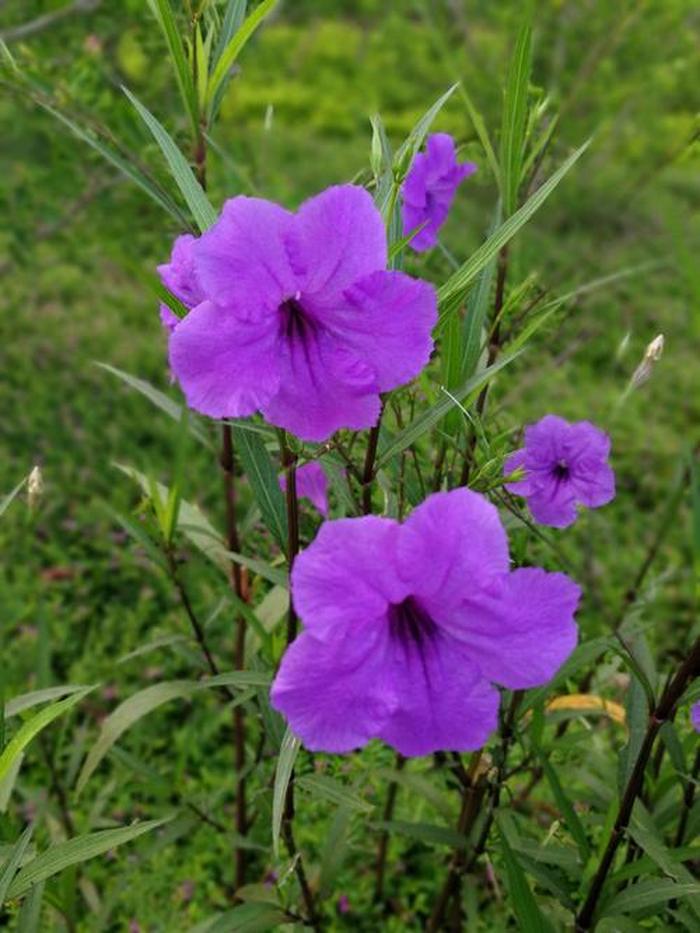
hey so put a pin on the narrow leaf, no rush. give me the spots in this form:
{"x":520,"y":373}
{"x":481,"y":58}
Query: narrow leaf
{"x":522,"y":902}
{"x":515,"y":118}
{"x":162,"y":11}
{"x":264,"y":481}
{"x":285,"y":765}
{"x":14,"y":860}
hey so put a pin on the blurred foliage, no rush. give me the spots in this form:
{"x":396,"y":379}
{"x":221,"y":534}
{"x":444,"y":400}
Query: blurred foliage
{"x":77,"y":253}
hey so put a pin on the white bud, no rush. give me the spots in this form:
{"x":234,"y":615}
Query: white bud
{"x":652,"y":355}
{"x":35,"y":487}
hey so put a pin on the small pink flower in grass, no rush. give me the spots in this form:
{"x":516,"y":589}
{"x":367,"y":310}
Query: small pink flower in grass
{"x":695,"y":716}
{"x":301,"y":319}
{"x":312,"y":484}
{"x":565,"y":464}
{"x":408,"y":627}
{"x":430,"y":188}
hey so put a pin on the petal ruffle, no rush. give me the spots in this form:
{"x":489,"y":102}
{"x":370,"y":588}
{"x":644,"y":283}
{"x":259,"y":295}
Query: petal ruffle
{"x":445,"y":704}
{"x":226,"y":367}
{"x":452,"y":543}
{"x":179,"y":276}
{"x":334,"y":694}
{"x":521,"y":639}
{"x":346,"y":578}
{"x":337,"y":237}
{"x":324,"y":386}
{"x":386,"y":318}
{"x":242,"y":260}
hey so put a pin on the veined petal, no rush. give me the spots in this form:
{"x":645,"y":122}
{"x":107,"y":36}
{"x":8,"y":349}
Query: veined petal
{"x":242,"y":261}
{"x":227,"y":368}
{"x":335,"y":694}
{"x":451,"y":543}
{"x":445,"y":702}
{"x":337,"y":237}
{"x":521,"y":638}
{"x":346,"y":578}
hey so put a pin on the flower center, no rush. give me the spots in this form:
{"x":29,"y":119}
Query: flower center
{"x":409,"y":623}
{"x":295,"y":323}
{"x":561,"y":471}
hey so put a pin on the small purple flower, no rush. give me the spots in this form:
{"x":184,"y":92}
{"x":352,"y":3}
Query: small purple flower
{"x":312,"y":484}
{"x":695,"y":716}
{"x":430,"y":187}
{"x":301,"y":319}
{"x":565,"y":465}
{"x":408,"y":626}
{"x":343,"y":904}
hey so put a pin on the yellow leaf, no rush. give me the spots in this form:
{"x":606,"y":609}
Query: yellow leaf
{"x":588,"y":703}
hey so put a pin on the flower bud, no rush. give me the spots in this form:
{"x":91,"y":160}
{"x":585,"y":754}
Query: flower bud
{"x":35,"y":488}
{"x":652,"y":355}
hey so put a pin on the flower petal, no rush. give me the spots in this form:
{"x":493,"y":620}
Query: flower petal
{"x":554,"y":504}
{"x":346,"y":578}
{"x":522,"y":638}
{"x":445,"y":704}
{"x":334,"y":694}
{"x":385,"y":318}
{"x":450,"y":544}
{"x":594,"y":484}
{"x":337,"y":237}
{"x":242,"y":261}
{"x":311,"y":484}
{"x":324,"y":386}
{"x":179,"y":275}
{"x":226,"y":367}
{"x":513,"y":462}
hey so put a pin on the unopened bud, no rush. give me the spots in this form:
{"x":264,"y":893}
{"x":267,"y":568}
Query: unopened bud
{"x":652,"y":355}
{"x":35,"y":487}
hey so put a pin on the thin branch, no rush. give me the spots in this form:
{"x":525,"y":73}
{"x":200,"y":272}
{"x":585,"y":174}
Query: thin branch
{"x":380,"y":869}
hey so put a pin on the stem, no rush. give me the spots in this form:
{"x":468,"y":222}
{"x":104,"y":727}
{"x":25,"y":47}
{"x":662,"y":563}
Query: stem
{"x":306,"y":893}
{"x":383,"y":847}
{"x":370,"y":457}
{"x":689,"y":669}
{"x":289,"y":462}
{"x":236,"y":583}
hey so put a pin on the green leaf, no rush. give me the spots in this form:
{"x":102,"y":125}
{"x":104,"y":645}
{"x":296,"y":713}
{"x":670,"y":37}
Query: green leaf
{"x":430,"y":417}
{"x":264,"y":481}
{"x":515,"y":118}
{"x":25,"y":701}
{"x":14,"y":860}
{"x":162,"y":11}
{"x":477,"y":310}
{"x":318,"y":785}
{"x":6,"y":500}
{"x":334,"y":850}
{"x":424,"y":832}
{"x":150,"y":698}
{"x":248,"y":918}
{"x":160,"y":400}
{"x":285,"y":766}
{"x":571,"y":818}
{"x":231,"y":52}
{"x":60,"y":856}
{"x":418,"y":784}
{"x":29,"y":916}
{"x":33,"y":726}
{"x":645,"y":894}
{"x":451,"y":295}
{"x":197,"y":201}
{"x":233,"y":17}
{"x":416,"y":138}
{"x":521,"y":900}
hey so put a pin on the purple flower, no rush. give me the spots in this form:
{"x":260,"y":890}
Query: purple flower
{"x":312,"y":484}
{"x":179,"y":275}
{"x":343,"y":904}
{"x":301,"y":320}
{"x":695,"y":716}
{"x":408,"y":626}
{"x":430,"y":187}
{"x":565,"y":464}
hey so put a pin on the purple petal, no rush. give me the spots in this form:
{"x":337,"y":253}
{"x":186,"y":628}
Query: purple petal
{"x":242,"y":259}
{"x":516,"y":461}
{"x":346,"y":578}
{"x":386,"y":318}
{"x":334,"y":694}
{"x":337,"y":237}
{"x":695,"y":716}
{"x":521,"y":638}
{"x":594,"y":484}
{"x":554,"y":506}
{"x":227,"y":367}
{"x":168,"y":318}
{"x":444,"y":702}
{"x":323,"y":387}
{"x":450,"y":544}
{"x":312,"y":484}
{"x":179,"y":275}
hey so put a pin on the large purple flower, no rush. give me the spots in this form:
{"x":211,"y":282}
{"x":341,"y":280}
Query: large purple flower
{"x":300,"y":318}
{"x":564,"y":464}
{"x":407,"y":628}
{"x":430,"y":187}
{"x":179,"y":277}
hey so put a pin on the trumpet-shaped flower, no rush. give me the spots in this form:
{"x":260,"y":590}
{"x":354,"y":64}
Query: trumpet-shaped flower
{"x":299,"y":317}
{"x":311,"y":484}
{"x":564,"y":464}
{"x":409,"y":626}
{"x":430,"y":187}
